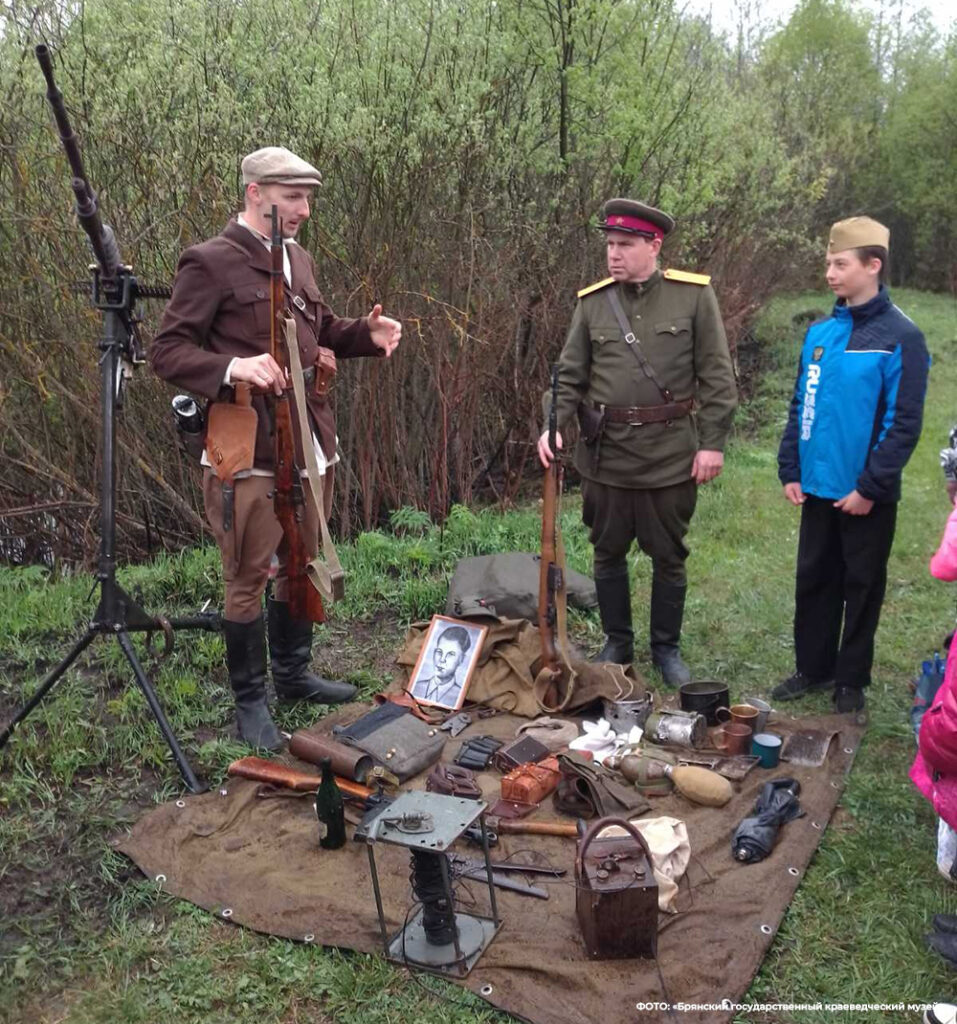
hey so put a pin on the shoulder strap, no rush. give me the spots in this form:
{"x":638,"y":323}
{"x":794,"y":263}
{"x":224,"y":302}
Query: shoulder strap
{"x":686,"y":277}
{"x":632,"y":342}
{"x":328,"y":577}
{"x":595,"y":287}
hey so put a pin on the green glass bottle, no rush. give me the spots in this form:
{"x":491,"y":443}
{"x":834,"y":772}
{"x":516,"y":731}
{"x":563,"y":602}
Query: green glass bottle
{"x":329,"y":811}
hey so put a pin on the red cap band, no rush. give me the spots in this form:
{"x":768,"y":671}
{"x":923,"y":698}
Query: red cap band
{"x":625,"y":223}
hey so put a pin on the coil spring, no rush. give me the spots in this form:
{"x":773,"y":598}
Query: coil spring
{"x":438,"y":913}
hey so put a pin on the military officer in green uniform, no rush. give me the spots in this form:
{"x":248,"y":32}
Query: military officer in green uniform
{"x":646,"y":369}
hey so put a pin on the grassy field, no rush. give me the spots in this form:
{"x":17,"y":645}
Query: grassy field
{"x":84,"y":938}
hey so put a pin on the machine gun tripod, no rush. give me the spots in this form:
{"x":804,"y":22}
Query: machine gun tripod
{"x":115,"y":293}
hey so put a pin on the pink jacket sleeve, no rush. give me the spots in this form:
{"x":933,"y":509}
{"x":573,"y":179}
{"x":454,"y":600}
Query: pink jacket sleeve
{"x":944,"y":564}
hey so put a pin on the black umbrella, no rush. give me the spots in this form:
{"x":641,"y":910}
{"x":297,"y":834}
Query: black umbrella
{"x":778,"y":803}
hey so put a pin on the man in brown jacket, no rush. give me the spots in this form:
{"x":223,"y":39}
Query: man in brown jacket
{"x":214,"y":335}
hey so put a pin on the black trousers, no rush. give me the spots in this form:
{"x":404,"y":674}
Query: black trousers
{"x":841,"y":579}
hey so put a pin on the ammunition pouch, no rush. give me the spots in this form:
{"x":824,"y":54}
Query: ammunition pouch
{"x":323,"y":371}
{"x":453,"y":780}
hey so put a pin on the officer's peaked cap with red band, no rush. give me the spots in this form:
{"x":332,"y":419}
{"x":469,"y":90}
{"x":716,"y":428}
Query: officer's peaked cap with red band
{"x":635,"y":218}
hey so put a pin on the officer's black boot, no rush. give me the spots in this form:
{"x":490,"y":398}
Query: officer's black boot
{"x":290,"y":653}
{"x":246,"y":661}
{"x":614,"y":606}
{"x":667,"y":613}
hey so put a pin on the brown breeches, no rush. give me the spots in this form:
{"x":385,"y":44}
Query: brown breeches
{"x":657,"y":518}
{"x":248,"y":548}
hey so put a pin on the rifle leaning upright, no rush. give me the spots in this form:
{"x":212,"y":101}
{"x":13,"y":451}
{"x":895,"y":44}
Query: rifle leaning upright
{"x":553,"y":685}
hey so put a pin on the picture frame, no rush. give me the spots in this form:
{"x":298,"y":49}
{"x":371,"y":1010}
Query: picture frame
{"x":446,"y":663}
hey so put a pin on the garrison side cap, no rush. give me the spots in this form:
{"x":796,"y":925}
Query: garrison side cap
{"x":635,"y":218}
{"x":276,"y":165}
{"x":858,"y":233}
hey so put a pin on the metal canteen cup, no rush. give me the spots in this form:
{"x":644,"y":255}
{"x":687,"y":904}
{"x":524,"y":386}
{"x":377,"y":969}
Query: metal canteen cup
{"x":767,"y":746}
{"x":742,"y":714}
{"x":764,"y":712}
{"x":733,"y":738}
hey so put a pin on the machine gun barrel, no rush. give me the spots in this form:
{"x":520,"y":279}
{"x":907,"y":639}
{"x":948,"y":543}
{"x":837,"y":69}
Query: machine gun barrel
{"x":102,"y":239}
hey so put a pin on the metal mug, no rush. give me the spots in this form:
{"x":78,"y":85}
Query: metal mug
{"x":767,"y":746}
{"x":742,"y":714}
{"x":764,"y":712}
{"x":733,"y":738}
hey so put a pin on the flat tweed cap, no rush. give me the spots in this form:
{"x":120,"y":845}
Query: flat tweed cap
{"x":635,"y":218}
{"x":276,"y":165}
{"x":856,"y":233}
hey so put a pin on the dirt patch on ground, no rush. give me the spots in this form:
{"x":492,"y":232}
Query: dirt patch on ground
{"x":58,"y":879}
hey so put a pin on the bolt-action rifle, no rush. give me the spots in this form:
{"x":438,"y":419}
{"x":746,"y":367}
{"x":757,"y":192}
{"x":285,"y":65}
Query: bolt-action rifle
{"x":305,"y":603}
{"x":553,"y":686}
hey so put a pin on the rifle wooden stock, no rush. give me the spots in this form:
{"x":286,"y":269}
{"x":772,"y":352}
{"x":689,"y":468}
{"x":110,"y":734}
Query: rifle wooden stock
{"x":532,"y":828}
{"x":547,"y":612}
{"x":275,"y":774}
{"x":305,"y":604}
{"x":550,"y":578}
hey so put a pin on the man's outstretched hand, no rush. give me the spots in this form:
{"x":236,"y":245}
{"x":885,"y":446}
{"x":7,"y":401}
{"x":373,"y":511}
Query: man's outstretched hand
{"x":386,"y":332}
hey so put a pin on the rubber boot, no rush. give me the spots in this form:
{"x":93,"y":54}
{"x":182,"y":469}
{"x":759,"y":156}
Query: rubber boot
{"x":614,"y":606}
{"x":246,"y":661}
{"x":290,"y":654}
{"x":667,"y":613}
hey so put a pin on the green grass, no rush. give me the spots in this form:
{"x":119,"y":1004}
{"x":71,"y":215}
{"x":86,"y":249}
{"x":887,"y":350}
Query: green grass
{"x":84,"y":938}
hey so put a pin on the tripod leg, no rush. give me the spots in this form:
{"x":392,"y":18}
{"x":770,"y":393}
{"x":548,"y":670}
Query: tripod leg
{"x":47,"y":685}
{"x":192,"y":783}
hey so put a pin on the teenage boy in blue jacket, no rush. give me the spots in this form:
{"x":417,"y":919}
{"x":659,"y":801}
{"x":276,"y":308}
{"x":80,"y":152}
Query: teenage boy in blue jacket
{"x":854,"y":420}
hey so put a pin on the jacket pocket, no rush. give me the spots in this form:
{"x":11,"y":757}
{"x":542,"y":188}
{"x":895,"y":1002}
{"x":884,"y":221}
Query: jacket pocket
{"x":680,"y":325}
{"x":601,"y":335}
{"x":311,"y":307}
{"x":254,"y":302}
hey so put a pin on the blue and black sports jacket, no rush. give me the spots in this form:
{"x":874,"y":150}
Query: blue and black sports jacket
{"x":858,"y":404}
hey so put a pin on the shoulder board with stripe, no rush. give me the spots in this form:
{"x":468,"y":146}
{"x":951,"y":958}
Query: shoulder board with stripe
{"x":687,"y":277}
{"x":594,"y":287}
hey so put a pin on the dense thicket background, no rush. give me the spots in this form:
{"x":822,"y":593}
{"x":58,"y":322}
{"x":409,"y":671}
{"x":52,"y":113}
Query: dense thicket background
{"x":466,"y":147}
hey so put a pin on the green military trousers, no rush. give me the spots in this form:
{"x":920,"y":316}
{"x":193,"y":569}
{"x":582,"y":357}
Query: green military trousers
{"x":657,"y":518}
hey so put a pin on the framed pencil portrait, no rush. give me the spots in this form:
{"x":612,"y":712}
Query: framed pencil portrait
{"x":446,"y":662}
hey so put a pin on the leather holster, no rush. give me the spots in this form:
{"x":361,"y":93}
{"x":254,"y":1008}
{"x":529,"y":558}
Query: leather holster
{"x":231,"y":434}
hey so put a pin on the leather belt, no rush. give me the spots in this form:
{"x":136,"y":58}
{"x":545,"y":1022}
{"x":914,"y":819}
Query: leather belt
{"x":637,"y":415}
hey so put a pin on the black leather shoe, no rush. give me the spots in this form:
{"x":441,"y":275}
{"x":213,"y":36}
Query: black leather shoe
{"x":614,"y":606}
{"x":944,"y":944}
{"x":798,"y":685}
{"x":246,"y":661}
{"x":667,"y":659}
{"x":290,"y":654}
{"x":945,"y":923}
{"x":848,"y":700}
{"x":616,"y":651}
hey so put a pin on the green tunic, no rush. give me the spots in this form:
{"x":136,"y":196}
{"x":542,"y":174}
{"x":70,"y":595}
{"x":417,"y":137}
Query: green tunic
{"x":679,"y":327}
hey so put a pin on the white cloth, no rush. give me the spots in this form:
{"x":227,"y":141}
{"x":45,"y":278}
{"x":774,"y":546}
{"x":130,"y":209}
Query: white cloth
{"x":667,"y":839}
{"x":603,"y":741}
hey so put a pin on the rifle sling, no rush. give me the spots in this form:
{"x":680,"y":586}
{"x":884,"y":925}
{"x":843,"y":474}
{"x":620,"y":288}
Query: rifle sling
{"x":328,"y":577}
{"x":568,"y":676}
{"x":632,"y":342}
